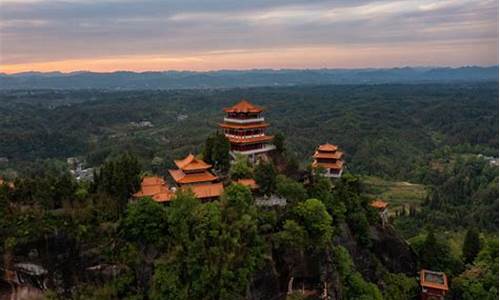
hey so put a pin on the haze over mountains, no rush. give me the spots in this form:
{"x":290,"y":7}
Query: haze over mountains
{"x":247,"y":78}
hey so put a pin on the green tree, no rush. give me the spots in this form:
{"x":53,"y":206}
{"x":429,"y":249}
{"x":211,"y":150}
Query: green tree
{"x":279,"y":142}
{"x":265,"y":176}
{"x":145,"y":222}
{"x":314,"y":217}
{"x":216,"y":151}
{"x":214,"y":249}
{"x":119,"y":178}
{"x":240,"y":168}
{"x":290,"y":189}
{"x":399,"y":286}
{"x":472,"y":246}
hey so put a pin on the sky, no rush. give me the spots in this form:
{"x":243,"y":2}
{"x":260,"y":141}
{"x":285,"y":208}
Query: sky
{"x":201,"y":35}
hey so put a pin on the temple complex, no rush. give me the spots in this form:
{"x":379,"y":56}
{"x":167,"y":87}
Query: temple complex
{"x":245,"y":128}
{"x":434,"y":285}
{"x":328,"y":157}
{"x":154,"y":187}
{"x":194,"y":174}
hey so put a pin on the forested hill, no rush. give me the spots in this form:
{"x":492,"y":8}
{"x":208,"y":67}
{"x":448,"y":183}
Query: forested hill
{"x":250,"y":78}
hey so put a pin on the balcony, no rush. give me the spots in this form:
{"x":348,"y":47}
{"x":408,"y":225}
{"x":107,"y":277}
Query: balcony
{"x":243,"y":121}
{"x":265,"y":148}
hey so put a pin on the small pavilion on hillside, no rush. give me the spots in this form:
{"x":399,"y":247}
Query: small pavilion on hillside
{"x":433,"y":285}
{"x":194,"y":174}
{"x":382,"y":207}
{"x":328,"y":157}
{"x":156,"y":188}
{"x":245,"y":128}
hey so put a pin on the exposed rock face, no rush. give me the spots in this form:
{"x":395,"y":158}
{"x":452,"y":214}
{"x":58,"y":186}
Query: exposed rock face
{"x":393,"y":251}
{"x":315,"y":274}
{"x":57,"y":262}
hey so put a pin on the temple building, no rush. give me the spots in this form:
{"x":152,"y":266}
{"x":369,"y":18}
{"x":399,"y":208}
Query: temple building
{"x":245,"y":128}
{"x":381,"y":206}
{"x":249,"y":183}
{"x":154,"y":187}
{"x":194,"y":174}
{"x":328,"y":157}
{"x":434,"y":285}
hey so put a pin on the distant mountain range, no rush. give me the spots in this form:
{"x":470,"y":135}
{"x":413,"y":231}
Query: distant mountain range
{"x":229,"y":79}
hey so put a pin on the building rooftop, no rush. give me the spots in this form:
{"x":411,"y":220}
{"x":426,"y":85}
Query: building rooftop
{"x":327,"y":147}
{"x":248,"y":182}
{"x":244,"y":107}
{"x":206,"y":190}
{"x":154,"y":187}
{"x":328,"y":155}
{"x":434,"y":280}
{"x":379,"y":204}
{"x":186,"y":178}
{"x":191,"y":163}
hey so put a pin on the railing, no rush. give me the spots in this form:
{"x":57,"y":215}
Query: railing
{"x":242,"y":137}
{"x":244,"y":121}
{"x":255,"y":151}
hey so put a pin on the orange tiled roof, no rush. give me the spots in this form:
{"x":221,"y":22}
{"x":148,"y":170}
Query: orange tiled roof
{"x":154,"y":187}
{"x":327,"y":147}
{"x":435,"y":280}
{"x":249,"y":182}
{"x":337,"y":165}
{"x":243,"y":126}
{"x":190,"y":163}
{"x":163,"y":196}
{"x":244,"y":107}
{"x":182,"y":178}
{"x":206,"y":190}
{"x":379,"y":204}
{"x":259,"y":139}
{"x":331,"y":155}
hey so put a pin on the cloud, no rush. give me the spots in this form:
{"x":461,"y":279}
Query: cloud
{"x":40,"y":31}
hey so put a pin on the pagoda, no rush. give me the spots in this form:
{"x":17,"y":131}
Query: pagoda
{"x":154,"y":187}
{"x":194,"y":174}
{"x":245,"y":128}
{"x":328,"y":157}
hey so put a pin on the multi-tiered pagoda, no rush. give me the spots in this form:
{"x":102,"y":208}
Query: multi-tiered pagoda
{"x":245,"y":128}
{"x":329,"y":158}
{"x":194,"y":174}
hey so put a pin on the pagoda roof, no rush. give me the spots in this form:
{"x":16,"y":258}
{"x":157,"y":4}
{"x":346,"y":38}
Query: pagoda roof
{"x":336,"y":165}
{"x":243,"y":126}
{"x":206,"y":190}
{"x":328,"y":155}
{"x":434,"y":280}
{"x":244,"y":107}
{"x":248,"y":182}
{"x":253,"y":140}
{"x":191,"y":163}
{"x":379,"y":204}
{"x":327,"y":147}
{"x":186,"y":178}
